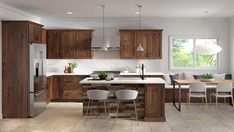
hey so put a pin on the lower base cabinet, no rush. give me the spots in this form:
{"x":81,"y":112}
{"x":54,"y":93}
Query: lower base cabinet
{"x":64,"y":88}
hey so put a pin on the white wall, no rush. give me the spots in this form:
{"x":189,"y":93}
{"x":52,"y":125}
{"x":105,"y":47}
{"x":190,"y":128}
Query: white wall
{"x":10,"y":13}
{"x":171,"y":26}
{"x":232,"y":44}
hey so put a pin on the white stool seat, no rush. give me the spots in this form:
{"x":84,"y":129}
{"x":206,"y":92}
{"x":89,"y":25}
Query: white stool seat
{"x":123,"y":95}
{"x":126,"y":94}
{"x":97,"y":94}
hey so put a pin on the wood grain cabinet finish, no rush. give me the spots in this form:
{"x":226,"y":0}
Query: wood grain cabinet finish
{"x":151,"y":41}
{"x":69,"y":44}
{"x":155,"y":102}
{"x":53,"y":44}
{"x":15,"y":68}
{"x":43,"y":36}
{"x":35,"y":33}
{"x":67,"y":88}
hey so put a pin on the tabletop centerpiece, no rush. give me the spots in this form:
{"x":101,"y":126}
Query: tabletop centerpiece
{"x":102,"y":75}
{"x":207,"y":77}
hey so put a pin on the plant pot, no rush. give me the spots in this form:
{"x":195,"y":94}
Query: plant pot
{"x":207,"y":80}
{"x":75,"y":70}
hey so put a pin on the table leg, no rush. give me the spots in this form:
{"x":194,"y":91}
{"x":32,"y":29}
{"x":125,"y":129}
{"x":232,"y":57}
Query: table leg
{"x":179,"y":97}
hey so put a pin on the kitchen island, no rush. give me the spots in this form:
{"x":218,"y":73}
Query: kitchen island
{"x":150,"y":101}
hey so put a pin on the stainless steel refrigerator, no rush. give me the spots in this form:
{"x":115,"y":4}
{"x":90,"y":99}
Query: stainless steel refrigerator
{"x":37,"y":89}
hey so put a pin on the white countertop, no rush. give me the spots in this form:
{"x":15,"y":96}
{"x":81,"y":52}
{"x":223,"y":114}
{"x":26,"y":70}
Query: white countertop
{"x":146,"y":74}
{"x":88,"y":73}
{"x":125,"y":80}
{"x":61,"y":73}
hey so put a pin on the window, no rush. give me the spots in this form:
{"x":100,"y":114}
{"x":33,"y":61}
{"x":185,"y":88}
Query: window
{"x":182,"y":55}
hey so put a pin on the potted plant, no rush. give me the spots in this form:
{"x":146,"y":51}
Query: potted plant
{"x":207,"y":77}
{"x":74,"y":68}
{"x":102,"y":75}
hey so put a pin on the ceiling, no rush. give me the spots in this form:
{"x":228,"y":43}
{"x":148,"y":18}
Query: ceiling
{"x":125,"y":8}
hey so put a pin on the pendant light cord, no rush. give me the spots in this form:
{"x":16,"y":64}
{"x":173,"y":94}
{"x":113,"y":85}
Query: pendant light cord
{"x":103,"y":24}
{"x":139,"y":16}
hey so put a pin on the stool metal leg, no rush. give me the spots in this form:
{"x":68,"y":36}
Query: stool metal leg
{"x":108,"y":105}
{"x":87,"y":109}
{"x":105,"y":108}
{"x":117,"y":110}
{"x":135,"y":111}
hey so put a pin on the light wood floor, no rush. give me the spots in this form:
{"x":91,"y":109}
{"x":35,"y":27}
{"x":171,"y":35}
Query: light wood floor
{"x":67,"y":117}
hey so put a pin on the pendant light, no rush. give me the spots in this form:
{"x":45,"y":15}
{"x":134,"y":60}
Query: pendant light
{"x":207,"y":48}
{"x":103,"y":28}
{"x":140,"y":48}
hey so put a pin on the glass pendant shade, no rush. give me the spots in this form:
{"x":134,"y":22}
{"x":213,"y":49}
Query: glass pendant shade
{"x":207,"y":49}
{"x":140,"y":48}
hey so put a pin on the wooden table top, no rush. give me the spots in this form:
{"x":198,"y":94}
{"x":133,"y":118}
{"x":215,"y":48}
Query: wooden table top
{"x":199,"y":81}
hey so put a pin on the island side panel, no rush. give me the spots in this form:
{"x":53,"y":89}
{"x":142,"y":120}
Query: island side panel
{"x":155,"y":103}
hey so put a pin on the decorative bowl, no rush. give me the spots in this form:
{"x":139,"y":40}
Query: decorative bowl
{"x":207,"y":80}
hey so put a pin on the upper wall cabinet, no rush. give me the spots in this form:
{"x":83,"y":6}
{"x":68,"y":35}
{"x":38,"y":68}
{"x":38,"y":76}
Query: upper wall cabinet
{"x":69,"y":44}
{"x":151,"y":41}
{"x":35,"y":33}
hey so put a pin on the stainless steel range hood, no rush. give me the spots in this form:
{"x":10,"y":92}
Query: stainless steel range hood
{"x":110,"y":43}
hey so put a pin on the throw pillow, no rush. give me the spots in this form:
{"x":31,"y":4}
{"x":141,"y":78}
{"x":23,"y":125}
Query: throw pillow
{"x":219,"y":76}
{"x":188,"y":76}
{"x":174,"y":77}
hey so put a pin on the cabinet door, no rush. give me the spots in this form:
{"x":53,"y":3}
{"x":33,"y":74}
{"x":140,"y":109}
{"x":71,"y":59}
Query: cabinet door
{"x":143,"y":38}
{"x":49,"y":89}
{"x":154,"y":101}
{"x":43,"y":37}
{"x":67,"y":43}
{"x":155,"y":45}
{"x":57,"y":88}
{"x":35,"y":32}
{"x":71,"y":87}
{"x":53,"y":44}
{"x":127,"y":45}
{"x":83,"y":44}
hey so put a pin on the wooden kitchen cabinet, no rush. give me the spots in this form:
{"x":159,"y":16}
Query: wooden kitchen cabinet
{"x":66,"y":88}
{"x":127,"y":46}
{"x":15,"y":66}
{"x":53,"y":44}
{"x":43,"y":36}
{"x":151,"y":41}
{"x":69,"y":44}
{"x":35,"y":33}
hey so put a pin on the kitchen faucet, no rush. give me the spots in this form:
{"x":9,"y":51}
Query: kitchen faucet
{"x":142,"y":72}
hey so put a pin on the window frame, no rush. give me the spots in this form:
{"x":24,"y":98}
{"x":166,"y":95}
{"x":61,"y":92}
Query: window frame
{"x":171,"y":67}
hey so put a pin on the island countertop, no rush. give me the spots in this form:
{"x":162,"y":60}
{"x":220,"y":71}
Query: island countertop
{"x":124,"y":80}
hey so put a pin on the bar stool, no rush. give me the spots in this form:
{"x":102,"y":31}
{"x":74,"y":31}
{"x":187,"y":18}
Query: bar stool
{"x":125,"y":95}
{"x":97,"y":95}
{"x":224,"y":90}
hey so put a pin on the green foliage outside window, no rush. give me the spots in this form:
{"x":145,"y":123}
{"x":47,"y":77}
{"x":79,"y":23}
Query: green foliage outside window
{"x":183,"y":56}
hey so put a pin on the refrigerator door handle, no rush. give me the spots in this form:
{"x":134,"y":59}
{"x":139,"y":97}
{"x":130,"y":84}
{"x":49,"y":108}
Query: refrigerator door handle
{"x":41,"y":92}
{"x":42,"y":65}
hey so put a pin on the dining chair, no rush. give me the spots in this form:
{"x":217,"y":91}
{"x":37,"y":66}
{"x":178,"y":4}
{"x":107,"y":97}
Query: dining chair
{"x":223,"y":90}
{"x":196,"y":90}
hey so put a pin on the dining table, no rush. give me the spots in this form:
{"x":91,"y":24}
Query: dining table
{"x":187,"y":82}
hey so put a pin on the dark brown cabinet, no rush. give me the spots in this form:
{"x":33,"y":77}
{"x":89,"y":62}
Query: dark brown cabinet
{"x":43,"y":36}
{"x":15,"y":67}
{"x":69,"y":44}
{"x":151,"y":41}
{"x":66,"y":88}
{"x":35,"y":33}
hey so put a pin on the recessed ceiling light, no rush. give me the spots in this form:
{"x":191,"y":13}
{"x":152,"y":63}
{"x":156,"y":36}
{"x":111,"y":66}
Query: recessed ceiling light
{"x":69,"y":13}
{"x":137,"y":13}
{"x":206,"y":12}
